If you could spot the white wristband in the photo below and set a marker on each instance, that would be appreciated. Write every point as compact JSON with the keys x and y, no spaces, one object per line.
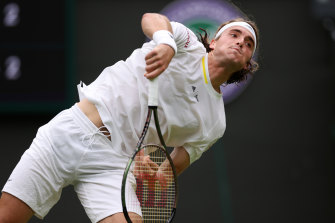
{"x":164,"y":37}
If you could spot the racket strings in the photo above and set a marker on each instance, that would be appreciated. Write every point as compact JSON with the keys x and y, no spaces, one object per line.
{"x":155,"y":186}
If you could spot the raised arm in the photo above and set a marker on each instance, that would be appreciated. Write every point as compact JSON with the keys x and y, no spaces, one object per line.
{"x":152,"y":22}
{"x":158,"y":28}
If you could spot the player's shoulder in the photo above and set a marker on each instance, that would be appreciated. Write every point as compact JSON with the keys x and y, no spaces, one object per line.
{"x":178,"y":27}
{"x":177,"y":24}
{"x":185,"y":38}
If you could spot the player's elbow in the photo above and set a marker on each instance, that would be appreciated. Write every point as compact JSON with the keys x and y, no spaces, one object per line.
{"x":148,"y":16}
{"x":151,"y":17}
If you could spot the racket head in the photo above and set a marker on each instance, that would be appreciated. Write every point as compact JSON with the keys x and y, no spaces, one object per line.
{"x":155,"y":191}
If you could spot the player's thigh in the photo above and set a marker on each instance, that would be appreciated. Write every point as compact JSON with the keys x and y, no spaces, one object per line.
{"x":100,"y":194}
{"x":119,"y":218}
{"x":13,"y":209}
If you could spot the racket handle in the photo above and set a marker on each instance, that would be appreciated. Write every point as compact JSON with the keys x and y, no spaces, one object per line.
{"x":153,"y":92}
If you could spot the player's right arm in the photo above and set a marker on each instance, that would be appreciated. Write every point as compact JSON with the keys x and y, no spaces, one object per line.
{"x":159,"y":58}
{"x":152,"y":22}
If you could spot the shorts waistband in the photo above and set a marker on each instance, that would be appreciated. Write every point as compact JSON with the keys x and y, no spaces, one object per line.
{"x":92,"y":130}
{"x":82,"y":120}
{"x":88,"y":126}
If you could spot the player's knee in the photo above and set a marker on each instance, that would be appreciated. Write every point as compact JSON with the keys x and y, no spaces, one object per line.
{"x":12,"y":210}
{"x":4,"y":218}
{"x":4,"y":214}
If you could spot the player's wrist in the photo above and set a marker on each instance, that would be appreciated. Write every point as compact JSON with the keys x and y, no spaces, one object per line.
{"x":165,"y":37}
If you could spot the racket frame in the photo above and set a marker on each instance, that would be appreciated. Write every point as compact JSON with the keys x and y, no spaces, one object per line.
{"x":151,"y":109}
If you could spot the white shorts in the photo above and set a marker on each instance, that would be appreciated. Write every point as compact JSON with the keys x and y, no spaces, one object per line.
{"x":70,"y":151}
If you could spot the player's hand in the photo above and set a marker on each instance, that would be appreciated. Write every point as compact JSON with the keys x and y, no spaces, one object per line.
{"x":158,"y":60}
{"x":164,"y":176}
{"x":144,"y":167}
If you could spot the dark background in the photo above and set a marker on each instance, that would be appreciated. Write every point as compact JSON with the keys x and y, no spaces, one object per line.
{"x":275,"y":162}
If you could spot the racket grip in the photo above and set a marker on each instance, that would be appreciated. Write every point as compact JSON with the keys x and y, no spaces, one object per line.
{"x":153,"y":92}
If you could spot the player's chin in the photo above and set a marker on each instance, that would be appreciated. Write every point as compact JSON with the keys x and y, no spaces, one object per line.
{"x":240,"y":61}
{"x":236,"y":58}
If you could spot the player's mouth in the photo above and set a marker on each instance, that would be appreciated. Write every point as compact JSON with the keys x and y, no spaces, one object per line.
{"x":237,"y":49}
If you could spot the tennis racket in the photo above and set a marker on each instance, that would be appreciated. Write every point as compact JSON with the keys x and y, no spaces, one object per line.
{"x":155,"y":195}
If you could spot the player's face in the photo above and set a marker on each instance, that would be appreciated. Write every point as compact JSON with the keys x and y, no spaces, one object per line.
{"x":236,"y":45}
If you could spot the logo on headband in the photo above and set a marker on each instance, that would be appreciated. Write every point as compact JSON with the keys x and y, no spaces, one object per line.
{"x":207,"y":14}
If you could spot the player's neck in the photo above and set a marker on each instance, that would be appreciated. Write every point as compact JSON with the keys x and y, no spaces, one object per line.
{"x":219,"y":73}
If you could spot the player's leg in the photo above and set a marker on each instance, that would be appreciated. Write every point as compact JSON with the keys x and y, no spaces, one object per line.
{"x":13,"y":209}
{"x":99,"y":175}
{"x":100,"y":193}
{"x":43,"y":170}
{"x":119,"y":218}
{"x":36,"y":180}
{"x":100,"y":196}
{"x":32,"y":188}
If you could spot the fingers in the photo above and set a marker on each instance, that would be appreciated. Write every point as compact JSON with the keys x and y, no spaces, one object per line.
{"x":152,"y":165}
{"x":158,"y":60}
{"x":155,"y":67}
{"x":154,"y":73}
{"x":162,"y":180}
{"x":151,"y":57}
{"x":138,"y":167}
{"x":148,"y":170}
{"x":144,"y":166}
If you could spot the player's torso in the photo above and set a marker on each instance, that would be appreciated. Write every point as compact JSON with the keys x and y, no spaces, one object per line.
{"x":187,"y":111}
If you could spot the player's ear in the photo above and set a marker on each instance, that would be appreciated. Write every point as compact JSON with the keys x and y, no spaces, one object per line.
{"x":212,"y":44}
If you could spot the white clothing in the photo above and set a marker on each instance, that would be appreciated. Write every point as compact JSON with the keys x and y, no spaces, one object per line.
{"x":70,"y":150}
{"x":191,"y":112}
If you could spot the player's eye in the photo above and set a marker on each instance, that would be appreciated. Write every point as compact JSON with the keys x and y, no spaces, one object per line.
{"x":249,"y":44}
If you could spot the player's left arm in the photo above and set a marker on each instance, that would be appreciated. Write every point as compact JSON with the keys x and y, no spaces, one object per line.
{"x":181,"y":161}
{"x":159,"y":58}
{"x":180,"y":158}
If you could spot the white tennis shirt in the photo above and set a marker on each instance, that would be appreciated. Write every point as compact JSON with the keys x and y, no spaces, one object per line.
{"x":190,"y":111}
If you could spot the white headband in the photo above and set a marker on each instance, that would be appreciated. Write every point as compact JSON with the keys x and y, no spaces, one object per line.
{"x":242,"y":24}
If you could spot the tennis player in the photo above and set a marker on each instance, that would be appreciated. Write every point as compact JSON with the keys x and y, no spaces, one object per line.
{"x":88,"y":145}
